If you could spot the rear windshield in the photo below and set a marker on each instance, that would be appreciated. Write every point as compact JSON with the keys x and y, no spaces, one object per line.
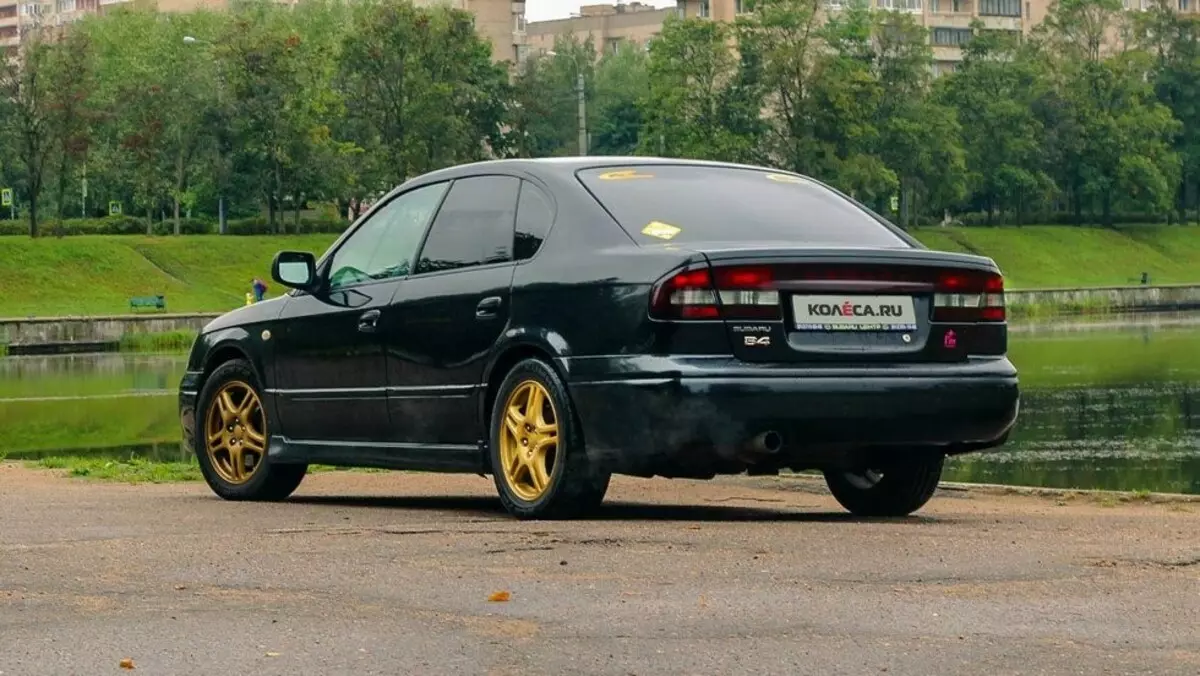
{"x":679,"y":203}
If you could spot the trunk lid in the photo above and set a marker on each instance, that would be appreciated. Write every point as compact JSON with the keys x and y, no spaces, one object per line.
{"x":792,"y":305}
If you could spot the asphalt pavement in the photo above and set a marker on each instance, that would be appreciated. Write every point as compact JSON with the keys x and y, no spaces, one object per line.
{"x":399,"y":573}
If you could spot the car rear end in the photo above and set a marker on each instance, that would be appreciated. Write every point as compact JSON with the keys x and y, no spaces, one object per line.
{"x":796,"y":330}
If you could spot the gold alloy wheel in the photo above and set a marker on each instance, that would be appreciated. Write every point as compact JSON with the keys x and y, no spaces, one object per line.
{"x":529,"y":440}
{"x":235,"y":432}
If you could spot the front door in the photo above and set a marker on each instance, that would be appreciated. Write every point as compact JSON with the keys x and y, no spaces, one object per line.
{"x":330,"y":373}
{"x":446,"y":318}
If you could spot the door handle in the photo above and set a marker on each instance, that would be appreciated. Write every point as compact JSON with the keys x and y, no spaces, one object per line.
{"x":487,"y":307}
{"x":368,"y":321}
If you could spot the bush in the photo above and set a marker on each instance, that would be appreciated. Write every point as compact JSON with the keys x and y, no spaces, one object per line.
{"x":257,"y":225}
{"x":132,"y":225}
{"x":1056,"y":218}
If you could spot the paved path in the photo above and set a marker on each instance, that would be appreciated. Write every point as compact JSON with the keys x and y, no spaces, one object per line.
{"x":391,"y":574}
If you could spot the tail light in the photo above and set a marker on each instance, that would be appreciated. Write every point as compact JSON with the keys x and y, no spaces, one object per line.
{"x":747,"y":291}
{"x":724,"y":293}
{"x":969,"y":297}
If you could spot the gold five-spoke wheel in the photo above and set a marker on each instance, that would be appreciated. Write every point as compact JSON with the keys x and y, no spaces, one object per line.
{"x":529,"y":442}
{"x":235,"y":432}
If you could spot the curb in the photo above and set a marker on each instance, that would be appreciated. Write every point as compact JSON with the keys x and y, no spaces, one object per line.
{"x":810,"y":482}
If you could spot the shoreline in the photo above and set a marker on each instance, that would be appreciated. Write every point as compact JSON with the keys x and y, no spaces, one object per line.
{"x":106,"y":333}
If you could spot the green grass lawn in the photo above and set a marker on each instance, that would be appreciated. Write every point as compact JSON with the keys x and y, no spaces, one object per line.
{"x":98,"y":274}
{"x":1049,"y":256}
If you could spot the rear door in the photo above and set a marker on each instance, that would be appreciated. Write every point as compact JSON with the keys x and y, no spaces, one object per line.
{"x":446,"y":317}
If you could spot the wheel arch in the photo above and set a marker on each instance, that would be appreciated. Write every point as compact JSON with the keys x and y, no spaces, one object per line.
{"x":508,"y":356}
{"x":226,"y":346}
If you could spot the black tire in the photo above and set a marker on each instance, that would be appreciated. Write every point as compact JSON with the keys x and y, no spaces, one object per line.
{"x":903,"y":487}
{"x":269,"y":481}
{"x":575,"y":486}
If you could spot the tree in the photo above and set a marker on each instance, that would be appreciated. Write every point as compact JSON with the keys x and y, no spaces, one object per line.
{"x":993,"y":94}
{"x":25,"y":88}
{"x":545,"y":107}
{"x":615,"y":118}
{"x":695,"y":106}
{"x":1173,"y":41}
{"x":421,"y":87}
{"x":1113,"y":137}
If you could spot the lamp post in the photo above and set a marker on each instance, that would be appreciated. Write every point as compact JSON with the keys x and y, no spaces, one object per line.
{"x":222,"y":226}
{"x":583,"y":135}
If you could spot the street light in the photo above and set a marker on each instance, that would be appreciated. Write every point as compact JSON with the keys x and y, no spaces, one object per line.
{"x":222,"y":226}
{"x":583,"y":135}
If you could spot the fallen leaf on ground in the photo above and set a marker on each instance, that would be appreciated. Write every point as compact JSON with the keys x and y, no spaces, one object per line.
{"x":126,"y":663}
{"x":272,"y":654}
{"x":499,"y":597}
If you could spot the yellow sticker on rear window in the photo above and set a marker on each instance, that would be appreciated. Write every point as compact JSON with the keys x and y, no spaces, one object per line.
{"x":784,"y":178}
{"x":660,"y":230}
{"x":623,"y":175}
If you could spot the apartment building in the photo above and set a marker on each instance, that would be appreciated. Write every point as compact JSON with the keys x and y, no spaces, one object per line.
{"x":501,"y":22}
{"x":948,"y":21}
{"x":609,"y":26}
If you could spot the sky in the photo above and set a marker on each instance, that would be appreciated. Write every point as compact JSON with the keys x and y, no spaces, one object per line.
{"x":543,"y":10}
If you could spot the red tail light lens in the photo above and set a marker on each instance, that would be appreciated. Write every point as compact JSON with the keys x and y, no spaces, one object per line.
{"x":685,"y":295}
{"x":738,"y":293}
{"x":969,"y":296}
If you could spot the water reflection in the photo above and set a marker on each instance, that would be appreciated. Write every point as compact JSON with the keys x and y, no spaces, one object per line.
{"x":1109,"y":403}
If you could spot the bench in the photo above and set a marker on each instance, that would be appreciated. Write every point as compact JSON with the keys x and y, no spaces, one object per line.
{"x":158,"y":302}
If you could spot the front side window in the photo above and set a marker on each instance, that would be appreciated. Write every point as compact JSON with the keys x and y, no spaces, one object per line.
{"x":474,"y":226}
{"x":383,"y":247}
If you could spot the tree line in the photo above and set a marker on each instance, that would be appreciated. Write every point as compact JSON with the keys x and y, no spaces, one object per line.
{"x":192,"y":118}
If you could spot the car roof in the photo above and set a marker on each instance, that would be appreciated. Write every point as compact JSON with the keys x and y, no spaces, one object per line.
{"x":569,"y":165}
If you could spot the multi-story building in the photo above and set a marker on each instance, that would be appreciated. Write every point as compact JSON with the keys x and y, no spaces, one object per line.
{"x":501,"y":22}
{"x":948,"y":21}
{"x":609,"y":26}
{"x":10,"y":26}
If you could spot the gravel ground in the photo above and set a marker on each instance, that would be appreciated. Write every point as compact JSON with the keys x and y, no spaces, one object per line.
{"x":391,"y":573}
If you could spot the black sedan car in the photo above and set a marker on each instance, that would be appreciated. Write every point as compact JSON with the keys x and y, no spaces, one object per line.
{"x":554,"y":322}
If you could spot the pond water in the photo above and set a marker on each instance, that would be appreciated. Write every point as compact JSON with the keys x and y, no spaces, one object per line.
{"x":1111,"y":403}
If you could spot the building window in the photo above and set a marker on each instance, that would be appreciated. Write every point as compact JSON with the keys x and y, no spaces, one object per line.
{"x":1003,"y":7}
{"x":950,"y":37}
{"x":900,"y":5}
{"x":702,"y":10}
{"x":519,"y":23}
{"x":1185,"y":5}
{"x":64,"y":6}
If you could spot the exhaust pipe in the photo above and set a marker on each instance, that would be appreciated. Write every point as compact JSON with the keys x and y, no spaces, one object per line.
{"x":766,"y":443}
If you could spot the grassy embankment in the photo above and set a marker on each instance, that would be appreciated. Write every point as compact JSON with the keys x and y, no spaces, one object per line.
{"x":98,"y":275}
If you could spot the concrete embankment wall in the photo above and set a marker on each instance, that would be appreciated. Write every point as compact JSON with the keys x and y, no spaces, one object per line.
{"x":96,"y":330}
{"x":1109,"y":299}
{"x":84,"y":331}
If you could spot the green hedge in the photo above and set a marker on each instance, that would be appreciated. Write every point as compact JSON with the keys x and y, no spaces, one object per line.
{"x":1058,"y":218}
{"x":130,"y":225}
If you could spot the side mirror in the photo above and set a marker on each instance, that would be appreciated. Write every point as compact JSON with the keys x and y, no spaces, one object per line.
{"x":296,"y":269}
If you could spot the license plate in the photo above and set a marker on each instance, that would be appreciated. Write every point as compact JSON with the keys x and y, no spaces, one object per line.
{"x":854,"y":313}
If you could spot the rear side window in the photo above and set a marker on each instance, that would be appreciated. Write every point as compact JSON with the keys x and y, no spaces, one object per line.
{"x":474,"y":225}
{"x":682,"y":203}
{"x":535,"y":215}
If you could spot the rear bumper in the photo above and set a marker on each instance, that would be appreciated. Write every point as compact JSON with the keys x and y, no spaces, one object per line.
{"x":644,"y":422}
